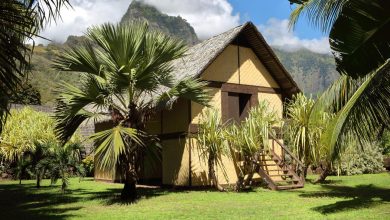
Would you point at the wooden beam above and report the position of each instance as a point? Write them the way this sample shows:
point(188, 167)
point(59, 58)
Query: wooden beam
point(239, 88)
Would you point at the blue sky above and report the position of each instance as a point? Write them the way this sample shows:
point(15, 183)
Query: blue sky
point(208, 17)
point(260, 11)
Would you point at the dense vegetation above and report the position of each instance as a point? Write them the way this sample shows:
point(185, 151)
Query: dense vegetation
point(29, 149)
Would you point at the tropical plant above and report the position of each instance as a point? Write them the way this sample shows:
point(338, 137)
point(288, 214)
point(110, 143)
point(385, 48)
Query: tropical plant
point(29, 144)
point(212, 144)
point(354, 161)
point(89, 165)
point(61, 162)
point(359, 41)
point(23, 130)
point(127, 76)
point(249, 139)
point(20, 20)
point(304, 129)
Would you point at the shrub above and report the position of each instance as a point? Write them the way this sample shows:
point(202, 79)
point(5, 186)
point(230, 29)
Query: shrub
point(89, 165)
point(355, 161)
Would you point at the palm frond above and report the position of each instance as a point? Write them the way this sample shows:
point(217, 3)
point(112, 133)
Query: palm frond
point(363, 114)
point(321, 13)
point(191, 89)
point(360, 37)
point(112, 143)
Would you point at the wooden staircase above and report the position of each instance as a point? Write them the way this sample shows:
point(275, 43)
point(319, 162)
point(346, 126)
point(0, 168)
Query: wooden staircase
point(281, 171)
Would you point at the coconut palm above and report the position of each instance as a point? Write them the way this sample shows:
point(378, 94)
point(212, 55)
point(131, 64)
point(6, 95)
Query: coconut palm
point(361, 46)
point(212, 145)
point(20, 21)
point(126, 77)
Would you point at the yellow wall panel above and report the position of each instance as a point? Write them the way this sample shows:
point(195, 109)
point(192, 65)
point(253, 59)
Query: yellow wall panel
point(252, 71)
point(215, 102)
point(199, 167)
point(176, 119)
point(154, 125)
point(275, 102)
point(175, 162)
point(224, 68)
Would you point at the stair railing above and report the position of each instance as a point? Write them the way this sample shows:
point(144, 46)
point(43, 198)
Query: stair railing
point(294, 164)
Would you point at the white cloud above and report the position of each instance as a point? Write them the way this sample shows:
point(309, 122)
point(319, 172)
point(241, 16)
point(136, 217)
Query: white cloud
point(208, 17)
point(277, 34)
point(84, 13)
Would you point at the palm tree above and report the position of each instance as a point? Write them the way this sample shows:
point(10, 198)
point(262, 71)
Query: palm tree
point(361, 46)
point(60, 162)
point(212, 145)
point(20, 20)
point(126, 77)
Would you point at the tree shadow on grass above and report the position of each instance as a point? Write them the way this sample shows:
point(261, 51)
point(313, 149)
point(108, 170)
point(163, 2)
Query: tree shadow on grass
point(112, 196)
point(27, 202)
point(361, 196)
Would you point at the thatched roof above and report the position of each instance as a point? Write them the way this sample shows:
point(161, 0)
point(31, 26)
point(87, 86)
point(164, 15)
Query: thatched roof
point(200, 56)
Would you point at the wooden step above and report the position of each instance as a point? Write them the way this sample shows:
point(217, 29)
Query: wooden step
point(284, 171)
point(270, 165)
point(280, 175)
point(287, 187)
point(285, 181)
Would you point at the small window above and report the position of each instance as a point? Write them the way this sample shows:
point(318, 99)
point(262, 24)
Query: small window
point(238, 106)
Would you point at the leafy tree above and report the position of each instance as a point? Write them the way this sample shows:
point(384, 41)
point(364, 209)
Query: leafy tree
point(20, 20)
point(127, 77)
point(26, 94)
point(212, 144)
point(361, 47)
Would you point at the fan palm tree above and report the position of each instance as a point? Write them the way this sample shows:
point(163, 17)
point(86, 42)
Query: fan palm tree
point(126, 77)
point(20, 20)
point(358, 36)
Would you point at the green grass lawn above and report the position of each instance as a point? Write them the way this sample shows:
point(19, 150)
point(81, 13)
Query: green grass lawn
point(354, 197)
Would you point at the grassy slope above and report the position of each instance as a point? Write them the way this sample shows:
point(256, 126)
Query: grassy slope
point(355, 197)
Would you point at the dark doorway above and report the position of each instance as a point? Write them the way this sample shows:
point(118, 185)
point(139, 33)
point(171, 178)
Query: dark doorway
point(238, 106)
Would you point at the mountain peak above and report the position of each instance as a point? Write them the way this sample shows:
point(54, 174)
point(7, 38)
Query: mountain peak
point(174, 26)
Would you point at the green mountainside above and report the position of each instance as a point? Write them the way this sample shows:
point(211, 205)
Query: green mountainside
point(174, 26)
point(313, 72)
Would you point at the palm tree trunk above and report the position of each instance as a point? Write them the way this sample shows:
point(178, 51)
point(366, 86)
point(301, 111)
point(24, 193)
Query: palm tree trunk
point(38, 179)
point(129, 191)
point(212, 175)
point(325, 173)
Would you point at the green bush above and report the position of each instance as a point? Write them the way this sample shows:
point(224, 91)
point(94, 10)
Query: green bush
point(89, 165)
point(368, 159)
